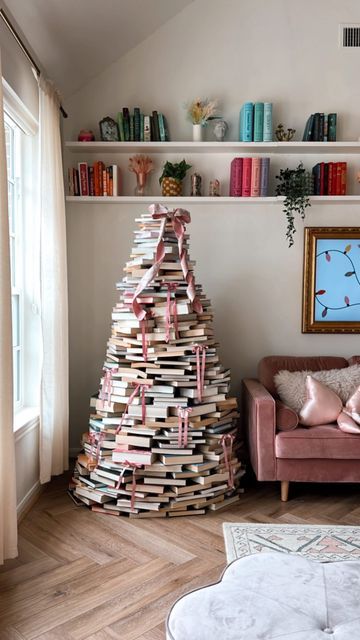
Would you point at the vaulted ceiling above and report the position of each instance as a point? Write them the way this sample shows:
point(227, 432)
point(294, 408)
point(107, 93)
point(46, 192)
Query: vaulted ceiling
point(74, 40)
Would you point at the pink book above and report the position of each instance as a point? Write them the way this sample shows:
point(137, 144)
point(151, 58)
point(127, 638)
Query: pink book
point(246, 177)
point(255, 177)
point(236, 177)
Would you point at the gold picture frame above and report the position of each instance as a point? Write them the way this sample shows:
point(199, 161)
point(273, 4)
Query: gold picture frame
point(331, 280)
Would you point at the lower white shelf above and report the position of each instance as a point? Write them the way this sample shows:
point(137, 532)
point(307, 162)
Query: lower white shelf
point(205, 200)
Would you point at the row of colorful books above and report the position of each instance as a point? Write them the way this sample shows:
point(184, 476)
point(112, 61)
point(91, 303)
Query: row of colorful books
point(330, 178)
point(256, 122)
point(137, 127)
point(94, 180)
point(321, 127)
point(249, 177)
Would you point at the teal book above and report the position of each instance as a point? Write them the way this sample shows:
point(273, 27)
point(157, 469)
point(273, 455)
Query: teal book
point(332, 117)
point(141, 127)
point(132, 128)
point(120, 121)
point(258, 121)
point(248, 122)
point(268, 122)
point(161, 127)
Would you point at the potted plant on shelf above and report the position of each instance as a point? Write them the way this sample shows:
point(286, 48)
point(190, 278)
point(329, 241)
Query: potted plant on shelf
point(172, 177)
point(294, 185)
point(199, 112)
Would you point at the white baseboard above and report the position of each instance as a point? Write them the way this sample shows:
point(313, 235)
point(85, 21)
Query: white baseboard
point(28, 500)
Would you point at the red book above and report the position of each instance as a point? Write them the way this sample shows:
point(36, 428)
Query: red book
point(343, 178)
point(101, 177)
point(331, 179)
point(246, 177)
point(97, 189)
point(255, 177)
point(104, 183)
point(91, 181)
point(83, 178)
point(338, 179)
point(236, 177)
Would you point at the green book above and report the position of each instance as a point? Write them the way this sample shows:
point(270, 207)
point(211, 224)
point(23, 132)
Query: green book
point(161, 127)
point(258, 121)
point(332, 117)
point(132, 129)
point(141, 127)
point(120, 120)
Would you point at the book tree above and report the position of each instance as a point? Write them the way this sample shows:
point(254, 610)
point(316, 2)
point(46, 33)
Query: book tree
point(162, 431)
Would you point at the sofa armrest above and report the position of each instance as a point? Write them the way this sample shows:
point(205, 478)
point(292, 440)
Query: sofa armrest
point(259, 420)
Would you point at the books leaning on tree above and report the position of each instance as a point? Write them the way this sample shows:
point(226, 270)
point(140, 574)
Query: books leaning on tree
point(94, 180)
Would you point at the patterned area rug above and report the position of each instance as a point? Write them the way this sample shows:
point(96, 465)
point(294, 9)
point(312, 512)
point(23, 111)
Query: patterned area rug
point(322, 543)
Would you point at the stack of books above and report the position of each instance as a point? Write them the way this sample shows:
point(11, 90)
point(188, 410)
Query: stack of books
point(137, 127)
point(256, 122)
point(321, 127)
point(94, 180)
point(249, 177)
point(330, 178)
point(161, 439)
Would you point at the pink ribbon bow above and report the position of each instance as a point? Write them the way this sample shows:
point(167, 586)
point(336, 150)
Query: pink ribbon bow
point(140, 386)
point(171, 310)
point(95, 439)
point(200, 368)
point(183, 423)
point(144, 342)
point(178, 218)
point(227, 445)
point(134, 466)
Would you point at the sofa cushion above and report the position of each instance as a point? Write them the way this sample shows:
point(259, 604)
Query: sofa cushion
point(291, 385)
point(325, 441)
point(270, 365)
point(322, 405)
point(286, 418)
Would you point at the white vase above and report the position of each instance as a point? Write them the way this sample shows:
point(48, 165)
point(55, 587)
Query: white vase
point(197, 132)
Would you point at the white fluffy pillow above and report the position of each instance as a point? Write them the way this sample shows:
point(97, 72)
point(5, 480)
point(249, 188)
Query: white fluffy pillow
point(290, 385)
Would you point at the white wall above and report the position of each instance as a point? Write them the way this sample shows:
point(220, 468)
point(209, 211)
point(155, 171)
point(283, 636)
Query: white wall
point(278, 50)
point(27, 465)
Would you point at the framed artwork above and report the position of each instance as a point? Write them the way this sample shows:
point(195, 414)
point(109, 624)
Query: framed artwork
point(331, 284)
point(109, 131)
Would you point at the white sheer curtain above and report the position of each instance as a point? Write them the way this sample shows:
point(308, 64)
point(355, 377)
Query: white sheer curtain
point(54, 411)
point(8, 520)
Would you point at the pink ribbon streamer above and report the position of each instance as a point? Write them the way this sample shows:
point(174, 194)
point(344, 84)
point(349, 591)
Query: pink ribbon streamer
point(133, 466)
point(178, 218)
point(171, 310)
point(139, 387)
point(105, 391)
point(227, 445)
point(200, 368)
point(95, 440)
point(183, 423)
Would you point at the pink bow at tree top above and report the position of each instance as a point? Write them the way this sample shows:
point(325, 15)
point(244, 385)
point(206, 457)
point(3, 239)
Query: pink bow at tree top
point(178, 219)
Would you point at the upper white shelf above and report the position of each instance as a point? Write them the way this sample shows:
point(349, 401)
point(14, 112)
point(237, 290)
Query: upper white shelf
point(351, 199)
point(216, 147)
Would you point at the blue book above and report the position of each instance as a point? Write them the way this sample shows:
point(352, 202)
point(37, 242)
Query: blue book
point(248, 122)
point(268, 126)
point(258, 121)
point(264, 176)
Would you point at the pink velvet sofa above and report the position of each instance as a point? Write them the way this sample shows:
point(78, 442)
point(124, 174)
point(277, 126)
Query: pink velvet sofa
point(318, 454)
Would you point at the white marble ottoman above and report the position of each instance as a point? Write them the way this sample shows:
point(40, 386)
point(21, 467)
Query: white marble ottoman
point(273, 595)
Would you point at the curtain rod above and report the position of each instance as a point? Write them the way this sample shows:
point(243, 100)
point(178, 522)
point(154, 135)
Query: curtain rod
point(24, 49)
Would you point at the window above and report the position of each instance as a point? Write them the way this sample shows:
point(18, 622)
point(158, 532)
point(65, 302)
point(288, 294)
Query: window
point(21, 155)
point(13, 135)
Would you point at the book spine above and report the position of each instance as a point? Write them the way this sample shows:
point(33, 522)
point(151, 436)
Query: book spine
point(316, 174)
point(332, 121)
point(255, 177)
point(161, 127)
point(116, 174)
point(343, 178)
point(71, 181)
point(136, 124)
point(152, 131)
point(264, 177)
point(326, 178)
point(321, 178)
point(248, 122)
point(141, 127)
point(167, 134)
point(307, 130)
point(109, 175)
point(76, 183)
point(258, 121)
point(147, 129)
point(246, 177)
point(132, 129)
point(156, 126)
point(338, 179)
point(83, 178)
point(321, 127)
point(104, 183)
point(126, 117)
point(326, 127)
point(268, 122)
point(91, 181)
point(331, 179)
point(236, 177)
point(316, 129)
point(120, 121)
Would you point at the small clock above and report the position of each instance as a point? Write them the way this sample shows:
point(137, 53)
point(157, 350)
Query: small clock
point(109, 131)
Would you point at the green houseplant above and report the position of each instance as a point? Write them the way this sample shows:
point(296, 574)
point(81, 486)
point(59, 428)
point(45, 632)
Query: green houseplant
point(172, 176)
point(293, 185)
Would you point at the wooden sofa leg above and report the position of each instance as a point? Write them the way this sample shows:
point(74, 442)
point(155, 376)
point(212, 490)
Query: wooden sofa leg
point(284, 490)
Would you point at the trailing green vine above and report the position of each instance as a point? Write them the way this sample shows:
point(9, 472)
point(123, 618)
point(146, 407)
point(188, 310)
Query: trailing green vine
point(293, 186)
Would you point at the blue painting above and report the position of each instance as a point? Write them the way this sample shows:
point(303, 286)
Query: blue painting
point(337, 280)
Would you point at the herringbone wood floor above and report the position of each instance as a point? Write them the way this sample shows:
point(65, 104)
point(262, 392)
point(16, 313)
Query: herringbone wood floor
point(82, 575)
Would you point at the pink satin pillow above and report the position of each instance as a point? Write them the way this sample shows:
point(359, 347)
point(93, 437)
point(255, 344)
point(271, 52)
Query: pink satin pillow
point(352, 407)
point(286, 418)
point(322, 405)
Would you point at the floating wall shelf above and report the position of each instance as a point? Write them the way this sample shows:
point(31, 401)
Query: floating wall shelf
point(205, 200)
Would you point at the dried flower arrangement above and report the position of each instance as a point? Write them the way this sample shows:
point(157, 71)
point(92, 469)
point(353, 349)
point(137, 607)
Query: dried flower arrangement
point(200, 111)
point(141, 164)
